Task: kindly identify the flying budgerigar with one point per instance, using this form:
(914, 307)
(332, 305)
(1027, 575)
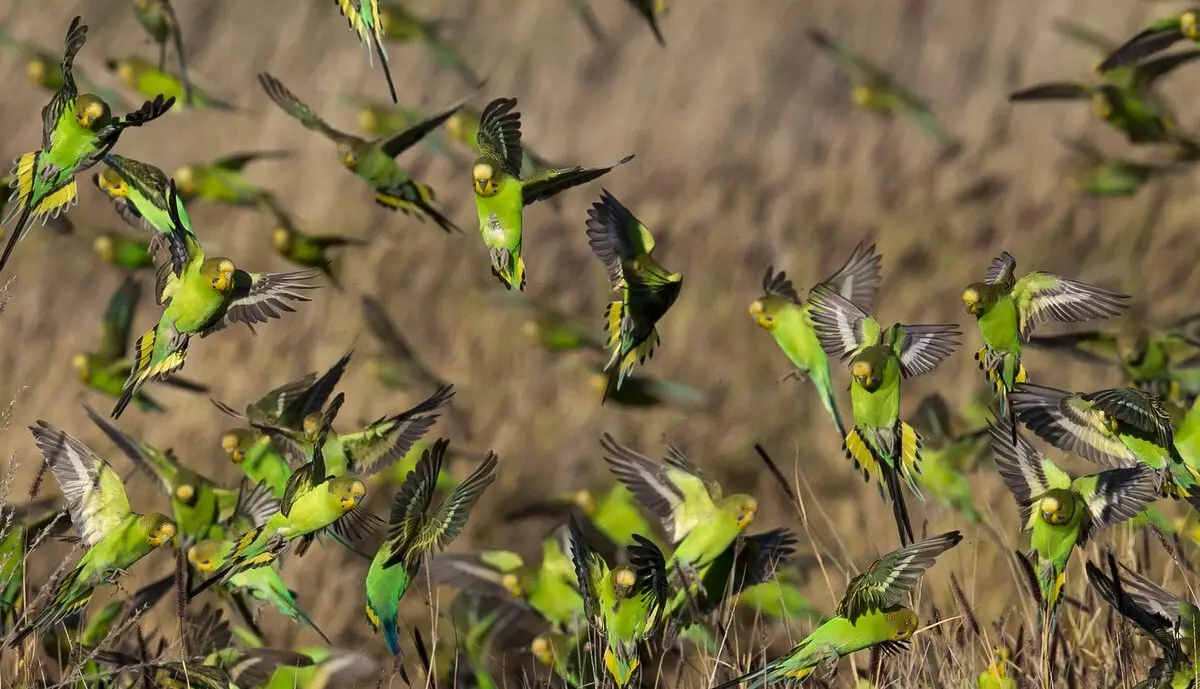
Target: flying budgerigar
(414, 531)
(77, 131)
(222, 180)
(871, 614)
(880, 444)
(116, 537)
(202, 296)
(372, 161)
(1009, 308)
(645, 289)
(158, 18)
(781, 312)
(1158, 36)
(501, 193)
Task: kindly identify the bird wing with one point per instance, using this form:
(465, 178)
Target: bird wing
(94, 492)
(546, 183)
(64, 97)
(1055, 90)
(922, 347)
(271, 406)
(1042, 297)
(1002, 271)
(678, 498)
(1139, 409)
(1067, 422)
(313, 399)
(118, 321)
(1027, 473)
(778, 285)
(388, 440)
(1153, 609)
(857, 66)
(499, 135)
(293, 106)
(406, 517)
(615, 235)
(152, 462)
(1116, 495)
(889, 578)
(590, 570)
(650, 567)
(444, 525)
(858, 280)
(397, 143)
(842, 326)
(260, 297)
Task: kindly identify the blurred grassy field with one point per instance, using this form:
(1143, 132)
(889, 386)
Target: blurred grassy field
(749, 153)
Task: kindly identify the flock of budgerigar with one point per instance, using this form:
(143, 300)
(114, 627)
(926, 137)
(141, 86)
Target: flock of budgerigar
(659, 571)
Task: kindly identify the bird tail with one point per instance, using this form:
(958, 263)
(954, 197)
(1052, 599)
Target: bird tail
(30, 207)
(899, 508)
(825, 391)
(867, 460)
(412, 197)
(387, 70)
(145, 369)
(391, 631)
(622, 355)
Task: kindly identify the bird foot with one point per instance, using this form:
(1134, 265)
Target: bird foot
(798, 373)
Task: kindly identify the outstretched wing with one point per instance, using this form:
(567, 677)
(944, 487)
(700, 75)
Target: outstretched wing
(1153, 609)
(499, 135)
(890, 577)
(406, 518)
(858, 280)
(650, 567)
(678, 498)
(1067, 422)
(94, 492)
(1138, 409)
(293, 106)
(1002, 271)
(402, 141)
(922, 347)
(259, 297)
(547, 183)
(390, 439)
(842, 327)
(615, 235)
(118, 320)
(451, 515)
(1043, 297)
(1027, 473)
(590, 569)
(1116, 495)
(778, 285)
(64, 98)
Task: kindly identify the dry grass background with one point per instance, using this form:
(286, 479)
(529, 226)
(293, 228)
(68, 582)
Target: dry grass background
(748, 153)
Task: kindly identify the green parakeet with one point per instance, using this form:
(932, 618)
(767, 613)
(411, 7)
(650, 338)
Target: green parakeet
(1130, 108)
(202, 296)
(551, 328)
(365, 20)
(307, 249)
(197, 502)
(947, 456)
(139, 193)
(402, 26)
(414, 531)
(116, 537)
(158, 18)
(77, 131)
(501, 193)
(147, 78)
(745, 564)
(870, 615)
(698, 518)
(876, 90)
(1062, 512)
(624, 603)
(646, 289)
(997, 675)
(1092, 173)
(1008, 310)
(106, 368)
(781, 312)
(262, 583)
(221, 180)
(1117, 427)
(372, 161)
(123, 251)
(880, 444)
(378, 119)
(1156, 37)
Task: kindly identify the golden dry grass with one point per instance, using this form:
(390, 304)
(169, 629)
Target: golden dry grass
(748, 153)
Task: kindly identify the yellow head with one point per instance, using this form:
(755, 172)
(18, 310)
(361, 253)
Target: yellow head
(512, 585)
(862, 94)
(185, 179)
(486, 178)
(904, 623)
(862, 371)
(185, 493)
(311, 426)
(112, 184)
(125, 71)
(543, 651)
(349, 492)
(348, 155)
(219, 273)
(37, 70)
(1111, 423)
(457, 127)
(1188, 25)
(972, 298)
(1102, 103)
(83, 366)
(583, 500)
(159, 529)
(207, 556)
(234, 443)
(765, 311)
(624, 579)
(743, 508)
(282, 237)
(91, 112)
(1057, 507)
(367, 120)
(103, 244)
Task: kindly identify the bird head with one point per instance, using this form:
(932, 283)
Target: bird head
(1001, 655)
(186, 493)
(367, 120)
(512, 585)
(765, 312)
(112, 184)
(208, 555)
(91, 112)
(623, 580)
(486, 175)
(977, 298)
(904, 623)
(348, 155)
(543, 650)
(82, 365)
(311, 426)
(124, 70)
(159, 529)
(867, 368)
(1132, 348)
(583, 500)
(1103, 99)
(1188, 24)
(457, 126)
(1111, 423)
(349, 491)
(185, 179)
(743, 508)
(1057, 507)
(103, 245)
(219, 273)
(862, 94)
(37, 69)
(234, 443)
(282, 238)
